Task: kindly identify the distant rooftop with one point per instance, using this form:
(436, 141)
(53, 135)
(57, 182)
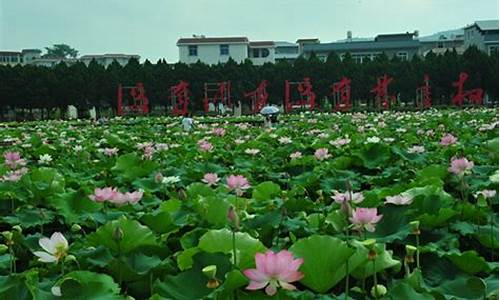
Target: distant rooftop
(448, 35)
(262, 44)
(212, 40)
(285, 44)
(107, 55)
(485, 25)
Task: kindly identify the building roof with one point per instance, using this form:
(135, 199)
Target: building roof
(362, 46)
(285, 44)
(109, 56)
(31, 50)
(262, 44)
(355, 39)
(315, 40)
(212, 40)
(394, 37)
(10, 53)
(485, 25)
(448, 35)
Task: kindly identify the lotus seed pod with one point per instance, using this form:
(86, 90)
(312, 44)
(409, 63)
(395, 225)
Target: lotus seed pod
(415, 227)
(70, 258)
(76, 228)
(7, 235)
(210, 271)
(378, 291)
(410, 250)
(17, 228)
(3, 248)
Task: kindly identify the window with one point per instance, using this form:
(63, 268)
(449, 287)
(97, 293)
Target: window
(193, 50)
(255, 52)
(440, 45)
(493, 50)
(265, 52)
(403, 55)
(224, 49)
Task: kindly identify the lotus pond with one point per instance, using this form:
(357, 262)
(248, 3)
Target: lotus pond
(325, 206)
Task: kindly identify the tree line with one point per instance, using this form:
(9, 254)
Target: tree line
(30, 87)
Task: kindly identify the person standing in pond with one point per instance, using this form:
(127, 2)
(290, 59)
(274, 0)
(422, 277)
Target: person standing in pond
(187, 122)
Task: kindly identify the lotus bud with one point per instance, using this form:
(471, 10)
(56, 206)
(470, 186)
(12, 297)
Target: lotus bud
(3, 248)
(233, 217)
(76, 228)
(378, 291)
(158, 178)
(17, 228)
(415, 227)
(118, 234)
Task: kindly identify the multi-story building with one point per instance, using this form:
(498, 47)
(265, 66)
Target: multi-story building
(402, 45)
(106, 59)
(482, 34)
(51, 62)
(442, 41)
(286, 51)
(16, 57)
(214, 50)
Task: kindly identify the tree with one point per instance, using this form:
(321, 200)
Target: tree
(60, 51)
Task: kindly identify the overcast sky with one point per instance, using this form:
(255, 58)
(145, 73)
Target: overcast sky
(151, 28)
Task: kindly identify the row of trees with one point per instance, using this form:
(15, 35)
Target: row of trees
(28, 87)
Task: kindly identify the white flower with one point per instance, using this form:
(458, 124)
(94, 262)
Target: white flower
(416, 149)
(252, 151)
(285, 140)
(296, 155)
(239, 141)
(373, 139)
(78, 148)
(399, 199)
(56, 248)
(389, 140)
(170, 180)
(45, 159)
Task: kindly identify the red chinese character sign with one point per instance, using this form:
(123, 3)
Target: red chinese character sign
(475, 96)
(137, 103)
(382, 97)
(258, 97)
(304, 98)
(217, 96)
(423, 97)
(341, 92)
(179, 98)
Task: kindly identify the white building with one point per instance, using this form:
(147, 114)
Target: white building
(106, 59)
(262, 52)
(15, 57)
(214, 50)
(286, 51)
(482, 34)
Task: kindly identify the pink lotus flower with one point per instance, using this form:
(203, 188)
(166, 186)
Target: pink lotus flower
(205, 146)
(340, 142)
(343, 197)
(399, 200)
(109, 151)
(105, 194)
(365, 218)
(14, 175)
(448, 139)
(322, 154)
(219, 131)
(460, 166)
(211, 179)
(128, 197)
(13, 160)
(487, 193)
(238, 183)
(274, 270)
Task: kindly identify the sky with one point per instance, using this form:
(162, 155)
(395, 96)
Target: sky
(151, 28)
